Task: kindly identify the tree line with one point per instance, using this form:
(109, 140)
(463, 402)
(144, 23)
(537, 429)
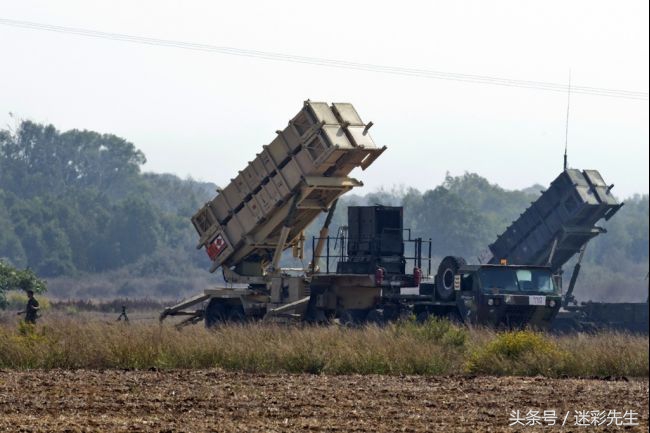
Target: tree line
(77, 202)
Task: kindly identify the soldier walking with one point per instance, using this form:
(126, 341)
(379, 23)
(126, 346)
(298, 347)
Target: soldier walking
(31, 309)
(123, 315)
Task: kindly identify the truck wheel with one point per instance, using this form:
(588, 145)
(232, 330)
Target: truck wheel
(376, 317)
(346, 318)
(314, 314)
(215, 313)
(422, 316)
(391, 313)
(454, 318)
(237, 315)
(445, 277)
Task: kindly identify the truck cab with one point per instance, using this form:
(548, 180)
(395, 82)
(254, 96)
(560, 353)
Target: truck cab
(495, 295)
(508, 295)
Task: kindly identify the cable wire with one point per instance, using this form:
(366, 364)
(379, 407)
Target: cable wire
(333, 63)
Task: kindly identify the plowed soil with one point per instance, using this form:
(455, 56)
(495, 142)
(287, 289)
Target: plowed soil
(210, 400)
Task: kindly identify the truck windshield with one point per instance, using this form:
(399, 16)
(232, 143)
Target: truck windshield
(509, 280)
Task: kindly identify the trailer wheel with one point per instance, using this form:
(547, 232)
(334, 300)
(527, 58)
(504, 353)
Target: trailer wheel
(215, 313)
(445, 277)
(346, 318)
(352, 317)
(236, 314)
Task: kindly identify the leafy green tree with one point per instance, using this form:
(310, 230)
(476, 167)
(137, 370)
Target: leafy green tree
(133, 231)
(627, 236)
(44, 241)
(16, 279)
(498, 207)
(38, 159)
(454, 226)
(10, 245)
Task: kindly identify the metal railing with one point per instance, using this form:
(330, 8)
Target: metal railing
(335, 248)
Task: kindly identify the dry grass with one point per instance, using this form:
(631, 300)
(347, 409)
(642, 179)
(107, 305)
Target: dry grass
(436, 347)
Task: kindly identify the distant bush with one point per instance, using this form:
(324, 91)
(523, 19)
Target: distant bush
(18, 300)
(111, 306)
(434, 329)
(17, 279)
(518, 353)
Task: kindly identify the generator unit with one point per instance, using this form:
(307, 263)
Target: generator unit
(375, 240)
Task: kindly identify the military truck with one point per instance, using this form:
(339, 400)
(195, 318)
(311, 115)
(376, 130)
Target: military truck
(503, 295)
(521, 282)
(490, 294)
(557, 227)
(554, 229)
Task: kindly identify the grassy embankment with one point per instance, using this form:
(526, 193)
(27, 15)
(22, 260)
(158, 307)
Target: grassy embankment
(436, 347)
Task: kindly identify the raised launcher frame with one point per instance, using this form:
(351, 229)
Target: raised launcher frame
(296, 177)
(266, 208)
(558, 225)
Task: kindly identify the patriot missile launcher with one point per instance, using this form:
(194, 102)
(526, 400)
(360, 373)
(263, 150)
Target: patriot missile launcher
(264, 211)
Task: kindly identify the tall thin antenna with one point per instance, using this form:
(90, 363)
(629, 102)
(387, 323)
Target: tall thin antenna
(566, 131)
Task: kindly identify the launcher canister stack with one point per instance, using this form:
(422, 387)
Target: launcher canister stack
(277, 195)
(559, 223)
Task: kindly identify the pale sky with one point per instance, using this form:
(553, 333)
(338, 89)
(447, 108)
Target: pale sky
(207, 114)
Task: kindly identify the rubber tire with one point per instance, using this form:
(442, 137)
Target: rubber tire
(454, 318)
(236, 314)
(422, 316)
(215, 313)
(314, 314)
(375, 317)
(346, 318)
(445, 277)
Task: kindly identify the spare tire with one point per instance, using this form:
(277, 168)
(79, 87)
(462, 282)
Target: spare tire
(445, 277)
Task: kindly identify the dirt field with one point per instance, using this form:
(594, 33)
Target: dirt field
(210, 400)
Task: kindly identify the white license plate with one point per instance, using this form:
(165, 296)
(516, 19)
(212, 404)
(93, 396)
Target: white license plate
(537, 300)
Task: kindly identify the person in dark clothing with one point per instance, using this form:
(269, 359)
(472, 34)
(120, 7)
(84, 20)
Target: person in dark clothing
(123, 315)
(31, 309)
